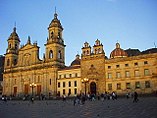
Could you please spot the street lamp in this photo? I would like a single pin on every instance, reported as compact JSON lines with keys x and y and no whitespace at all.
{"x":85,"y":80}
{"x":32,"y":85}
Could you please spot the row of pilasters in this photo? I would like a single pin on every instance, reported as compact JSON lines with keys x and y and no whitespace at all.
{"x":19,"y":84}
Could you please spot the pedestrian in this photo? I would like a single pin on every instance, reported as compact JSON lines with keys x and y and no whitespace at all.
{"x":105,"y":95}
{"x":64,"y":97}
{"x":10,"y":97}
{"x":93,"y":97}
{"x":78,"y":98}
{"x":113,"y":95}
{"x":89,"y":96}
{"x":5,"y":98}
{"x":75,"y":101}
{"x":127,"y":95}
{"x":83,"y":99}
{"x":98,"y":96}
{"x":135,"y":99}
{"x":108,"y":96}
{"x":32,"y":99}
{"x":102,"y":97}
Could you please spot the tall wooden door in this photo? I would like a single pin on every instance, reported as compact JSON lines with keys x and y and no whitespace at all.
{"x":15,"y":91}
{"x":26,"y":89}
{"x":38,"y":89}
{"x":93,"y":88}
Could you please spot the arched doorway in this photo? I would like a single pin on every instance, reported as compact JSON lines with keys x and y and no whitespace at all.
{"x":26,"y":89}
{"x":15,"y":91}
{"x":93,"y":88}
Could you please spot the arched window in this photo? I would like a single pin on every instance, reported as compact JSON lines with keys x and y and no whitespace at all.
{"x":8,"y":62}
{"x":96,"y":51}
{"x":87,"y":52}
{"x":51,"y":54}
{"x":9,"y":45}
{"x":51,"y":34}
{"x":15,"y":46}
{"x":59,"y":34}
{"x":15,"y":61}
{"x":59,"y":54}
{"x":99,"y":51}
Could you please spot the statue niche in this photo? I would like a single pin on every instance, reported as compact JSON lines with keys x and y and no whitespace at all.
{"x":92,"y":73}
{"x":27,"y":59}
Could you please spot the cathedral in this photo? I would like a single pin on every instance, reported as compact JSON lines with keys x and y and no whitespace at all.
{"x":91,"y":72}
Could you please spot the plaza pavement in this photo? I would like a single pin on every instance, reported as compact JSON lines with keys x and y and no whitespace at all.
{"x":146,"y":107}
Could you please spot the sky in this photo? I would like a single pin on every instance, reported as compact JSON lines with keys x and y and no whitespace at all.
{"x":132,"y":23}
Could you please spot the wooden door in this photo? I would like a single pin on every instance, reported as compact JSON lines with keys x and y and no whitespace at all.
{"x":38,"y":89}
{"x":26,"y":89}
{"x":15,"y":91}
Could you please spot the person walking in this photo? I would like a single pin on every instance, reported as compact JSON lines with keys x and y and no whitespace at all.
{"x":32,"y":100}
{"x":83,"y":99}
{"x":135,"y":99}
{"x":64,"y":97}
{"x":74,"y":102}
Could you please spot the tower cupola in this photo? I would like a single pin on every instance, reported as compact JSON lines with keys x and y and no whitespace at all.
{"x":11,"y":55}
{"x":13,"y":42}
{"x":77,"y":61}
{"x":55,"y":31}
{"x":14,"y":35}
{"x":55,"y":22}
{"x":55,"y":48}
{"x":118,"y":52}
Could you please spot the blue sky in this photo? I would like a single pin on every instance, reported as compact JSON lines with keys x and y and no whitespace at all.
{"x":133,"y":23}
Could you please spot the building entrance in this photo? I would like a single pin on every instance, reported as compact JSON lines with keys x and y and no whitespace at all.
{"x":38,"y":89}
{"x":26,"y":89}
{"x":93,"y":88}
{"x":15,"y":91}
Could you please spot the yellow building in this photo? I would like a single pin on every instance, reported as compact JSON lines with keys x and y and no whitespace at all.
{"x":134,"y":73}
{"x":23,"y":67}
{"x":93,"y":72}
{"x":69,"y":79}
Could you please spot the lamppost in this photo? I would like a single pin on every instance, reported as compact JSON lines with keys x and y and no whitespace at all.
{"x":85,"y":80}
{"x":32,"y":85}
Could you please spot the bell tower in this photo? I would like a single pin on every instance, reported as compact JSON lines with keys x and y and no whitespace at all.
{"x":86,"y":50}
{"x":55,"y":48}
{"x":11,"y":55}
{"x":98,"y":48}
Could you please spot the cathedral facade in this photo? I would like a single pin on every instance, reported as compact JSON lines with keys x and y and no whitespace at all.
{"x":26,"y":74}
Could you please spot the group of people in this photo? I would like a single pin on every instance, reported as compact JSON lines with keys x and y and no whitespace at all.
{"x":80,"y":99}
{"x":107,"y":96}
{"x":133,"y":95}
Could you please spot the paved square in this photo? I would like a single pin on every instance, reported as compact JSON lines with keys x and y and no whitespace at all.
{"x":121,"y":108}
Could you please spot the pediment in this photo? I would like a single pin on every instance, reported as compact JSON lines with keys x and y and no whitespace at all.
{"x":28,"y":46}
